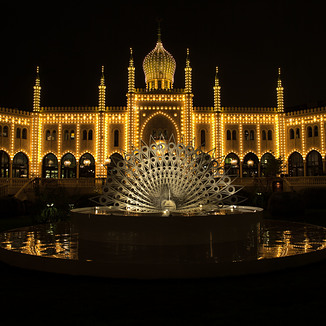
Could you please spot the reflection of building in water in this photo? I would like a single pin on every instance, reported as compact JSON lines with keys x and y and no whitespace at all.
{"x":73,"y":142}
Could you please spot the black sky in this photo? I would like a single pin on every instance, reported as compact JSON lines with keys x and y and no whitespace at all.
{"x":248,"y":40}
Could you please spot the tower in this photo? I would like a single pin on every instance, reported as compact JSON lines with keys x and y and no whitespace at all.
{"x":280,"y":93}
{"x":281,"y":117}
{"x":217,"y":92}
{"x":101,"y":92}
{"x":131,"y":74}
{"x":188,"y":75}
{"x":218,"y":125}
{"x":37,"y":91}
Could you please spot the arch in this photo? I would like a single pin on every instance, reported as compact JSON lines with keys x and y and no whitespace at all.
{"x":297,"y":133}
{"x":90,"y":134}
{"x":231,"y":164}
{"x":144,"y":132}
{"x":314,"y":163}
{"x":66,"y":135}
{"x":20,"y":166}
{"x":295,"y":164}
{"x":18,"y":133}
{"x":4,"y":164}
{"x":24,"y":133}
{"x":309,"y":131}
{"x":87,"y":166}
{"x":47,"y":135}
{"x":50,"y":166}
{"x":315,"y":131}
{"x":234,"y":134}
{"x":252,"y":135}
{"x":68,"y":170}
{"x":250,"y":165}
{"x":54,"y":135}
{"x":265,"y":161}
{"x":263,"y":135}
{"x":5,"y":131}
{"x":269,"y":135}
{"x":246,"y":134}
{"x":228,"y":134}
{"x":291,"y":132}
{"x":203,"y":138}
{"x":116,"y":136}
{"x":84,"y":134}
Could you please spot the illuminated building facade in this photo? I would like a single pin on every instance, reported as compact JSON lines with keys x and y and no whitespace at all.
{"x":75,"y":142}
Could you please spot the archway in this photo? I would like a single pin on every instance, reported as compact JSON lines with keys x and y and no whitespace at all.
{"x":87,"y":166}
{"x":231,"y":164}
{"x":20,"y":166}
{"x":250,"y":165}
{"x":68,"y":166}
{"x":314,"y":163}
{"x":50,"y":166}
{"x":4,"y":164}
{"x":158,"y":126}
{"x":295,"y":164}
{"x":265,"y":161}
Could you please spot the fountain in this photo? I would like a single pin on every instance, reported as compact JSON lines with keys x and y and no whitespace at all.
{"x":166,"y":210}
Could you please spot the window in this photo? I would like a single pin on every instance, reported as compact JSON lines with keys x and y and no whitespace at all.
{"x":297,"y":133}
{"x":202,"y":138}
{"x":270,"y":135}
{"x":116,"y":138}
{"x":291,"y":133}
{"x":66,"y":135}
{"x":18,"y":133}
{"x":246,"y":134}
{"x":54,"y":135}
{"x":72,"y":134}
{"x":234,"y":135}
{"x":263,"y":135}
{"x":252,"y":135}
{"x":48,"y":135}
{"x":84,"y":134}
{"x":90,"y":135}
{"x":24,"y":133}
{"x":5,"y":131}
{"x":228,"y":135}
{"x":315,"y":131}
{"x":309,"y":132}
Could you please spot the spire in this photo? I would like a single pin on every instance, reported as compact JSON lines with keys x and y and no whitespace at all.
{"x":217,"y":92}
{"x":101,"y":92}
{"x":131,"y":74}
{"x":37,"y":91}
{"x":188,"y":74}
{"x":159,"y":31}
{"x":280,"y":93}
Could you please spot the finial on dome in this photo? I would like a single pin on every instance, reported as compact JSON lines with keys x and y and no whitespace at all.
{"x":216,"y":72}
{"x":159,"y":30}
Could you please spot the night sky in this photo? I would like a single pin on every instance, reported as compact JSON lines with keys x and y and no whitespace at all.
{"x":248,"y":40}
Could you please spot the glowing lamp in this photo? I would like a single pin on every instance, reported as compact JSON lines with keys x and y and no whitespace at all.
{"x":250,"y":162}
{"x":234,"y":161}
{"x":67,"y":163}
{"x":87,"y":162}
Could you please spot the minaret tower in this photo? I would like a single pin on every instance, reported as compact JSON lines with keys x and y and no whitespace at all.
{"x":101,"y":92}
{"x":131,"y":74}
{"x":188,"y":75}
{"x":280,"y":93}
{"x":217,"y":93}
{"x":37,"y":92}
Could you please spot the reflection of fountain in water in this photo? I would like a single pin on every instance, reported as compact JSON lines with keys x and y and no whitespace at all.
{"x":168,"y":177}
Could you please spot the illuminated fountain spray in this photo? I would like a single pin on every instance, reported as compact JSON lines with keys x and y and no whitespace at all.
{"x":166,"y":177}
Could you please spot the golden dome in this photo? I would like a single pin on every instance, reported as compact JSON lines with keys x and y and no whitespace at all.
{"x":159,"y":67}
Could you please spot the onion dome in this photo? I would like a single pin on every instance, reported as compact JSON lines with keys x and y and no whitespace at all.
{"x":159,"y":67}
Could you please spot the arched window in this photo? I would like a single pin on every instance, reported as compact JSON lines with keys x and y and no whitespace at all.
{"x":309,"y":132}
{"x":295,"y":164}
{"x":228,"y":135}
{"x":24,"y":133}
{"x":246,"y":134}
{"x":252,"y":135}
{"x":315,"y":131}
{"x":18,"y":133}
{"x":68,"y":166}
{"x":263,"y":135}
{"x":5,"y":131}
{"x":84,"y":134}
{"x":270,"y":135}
{"x":202,"y":138}
{"x":72,"y":134}
{"x":87,"y":166}
{"x":297,"y":133}
{"x":4,"y":165}
{"x":48,"y":135}
{"x":250,"y":165}
{"x":267,"y":168}
{"x":116,"y":138}
{"x":234,"y":135}
{"x":90,"y":134}
{"x":231,"y":164}
{"x":54,"y":135}
{"x":50,"y":166}
{"x":66,"y":135}
{"x":314,"y":164}
{"x":291,"y":133}
{"x":20,"y":166}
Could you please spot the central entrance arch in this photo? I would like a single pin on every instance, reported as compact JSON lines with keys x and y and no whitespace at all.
{"x":159,"y":125}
